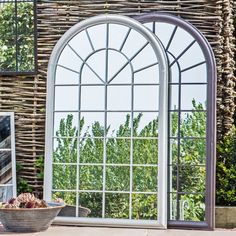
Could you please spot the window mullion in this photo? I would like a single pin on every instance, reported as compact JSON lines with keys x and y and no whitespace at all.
{"x":105,"y":125}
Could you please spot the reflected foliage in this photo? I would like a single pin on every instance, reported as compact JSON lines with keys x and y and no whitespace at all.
{"x":144,"y":206}
{"x":24,"y":35}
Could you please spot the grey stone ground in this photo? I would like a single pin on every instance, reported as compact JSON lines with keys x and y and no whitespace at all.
{"x":92,"y":231}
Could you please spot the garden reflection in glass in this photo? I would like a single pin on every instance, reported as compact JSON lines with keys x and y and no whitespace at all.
{"x":112,"y":106}
{"x":187,"y":116}
{"x":117,"y":100}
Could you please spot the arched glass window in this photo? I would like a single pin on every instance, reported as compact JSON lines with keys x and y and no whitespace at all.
{"x":192,"y":123}
{"x":106,"y":143}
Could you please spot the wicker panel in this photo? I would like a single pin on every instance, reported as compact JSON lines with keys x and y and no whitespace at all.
{"x":226,"y":79}
{"x":26,"y":95}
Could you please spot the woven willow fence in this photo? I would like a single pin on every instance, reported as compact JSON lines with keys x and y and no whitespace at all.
{"x":27,"y":95}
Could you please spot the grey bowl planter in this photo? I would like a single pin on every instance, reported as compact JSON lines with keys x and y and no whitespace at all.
{"x":70,"y":210}
{"x":29,"y":219}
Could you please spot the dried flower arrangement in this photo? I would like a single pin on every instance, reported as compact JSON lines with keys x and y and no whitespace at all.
{"x":26,"y":200}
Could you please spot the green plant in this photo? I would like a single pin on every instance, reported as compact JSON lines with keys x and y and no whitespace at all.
{"x":39,"y":165}
{"x":226,"y":170}
{"x":22,"y":184}
{"x":118,"y":177}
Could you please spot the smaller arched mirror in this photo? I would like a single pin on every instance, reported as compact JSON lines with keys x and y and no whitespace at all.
{"x":192,"y":102}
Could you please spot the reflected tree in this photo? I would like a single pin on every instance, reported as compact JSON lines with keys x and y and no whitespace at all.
{"x":145,"y":151}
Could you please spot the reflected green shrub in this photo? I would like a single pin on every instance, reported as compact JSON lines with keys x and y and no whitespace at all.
{"x":25,"y":37}
{"x":144,"y":206}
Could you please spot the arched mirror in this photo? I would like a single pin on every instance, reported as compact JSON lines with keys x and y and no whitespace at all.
{"x":192,"y":115}
{"x":106,"y":142}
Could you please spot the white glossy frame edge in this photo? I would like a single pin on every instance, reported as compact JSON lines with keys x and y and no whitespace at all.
{"x":163,"y":121}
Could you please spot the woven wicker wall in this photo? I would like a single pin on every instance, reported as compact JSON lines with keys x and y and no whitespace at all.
{"x":26,"y":95}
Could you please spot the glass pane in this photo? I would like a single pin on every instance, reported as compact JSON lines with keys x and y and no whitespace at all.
{"x":192,"y":179}
{"x":66,"y":98}
{"x":145,"y":179}
{"x":94,"y":31}
{"x":193,"y":151}
{"x":70,"y":199}
{"x":93,"y":201}
{"x":5,"y":167}
{"x":188,"y":60}
{"x":81,"y":45}
{"x":148,"y":75}
{"x":133,"y":44}
{"x":8,"y":38}
{"x":66,"y":124}
{"x":96,"y":63}
{"x":144,"y":206}
{"x":193,"y":124}
{"x":117,"y":34}
{"x":117,"y":205}
{"x":91,"y":150}
{"x":119,"y":98}
{"x":90,"y":177}
{"x":145,"y":58}
{"x":118,"y":124}
{"x":173,"y":178}
{"x":173,"y":206}
{"x":145,"y":151}
{"x":146,"y":98}
{"x":173,"y":151}
{"x":174,"y":97}
{"x":25,"y":38}
{"x":118,"y":151}
{"x":173,"y":125}
{"x":5,"y":132}
{"x":6,"y":193}
{"x":70,"y":60}
{"x":118,"y":63}
{"x":189,"y":178}
{"x":193,"y":97}
{"x":145,"y":124}
{"x":195,"y":75}
{"x":92,"y":124}
{"x":164,"y":32}
{"x":192,"y":207}
{"x":65,"y":76}
{"x":117,"y":178}
{"x":182,"y":39}
{"x":92,"y":98}
{"x":174,"y":70}
{"x":89,"y":75}
{"x":64,"y":177}
{"x":65,"y":150}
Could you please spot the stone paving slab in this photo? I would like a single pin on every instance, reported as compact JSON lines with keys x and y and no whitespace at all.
{"x":94,"y":231}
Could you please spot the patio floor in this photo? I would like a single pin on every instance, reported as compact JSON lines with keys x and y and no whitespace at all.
{"x":94,"y":231}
